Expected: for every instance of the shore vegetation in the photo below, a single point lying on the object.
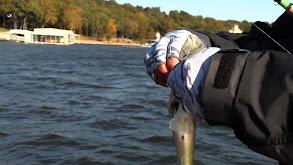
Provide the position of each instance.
(105, 19)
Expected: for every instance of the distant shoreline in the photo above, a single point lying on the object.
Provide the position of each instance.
(83, 40)
(89, 41)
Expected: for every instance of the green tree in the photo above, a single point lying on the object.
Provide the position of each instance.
(245, 26)
(20, 11)
(98, 23)
(35, 13)
(111, 29)
(5, 6)
(175, 15)
(170, 24)
(72, 16)
(128, 27)
(143, 25)
(50, 13)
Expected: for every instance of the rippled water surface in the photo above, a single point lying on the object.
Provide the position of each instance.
(94, 104)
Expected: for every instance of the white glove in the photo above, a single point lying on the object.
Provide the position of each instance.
(187, 81)
(169, 45)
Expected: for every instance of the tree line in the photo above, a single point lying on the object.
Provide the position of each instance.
(105, 18)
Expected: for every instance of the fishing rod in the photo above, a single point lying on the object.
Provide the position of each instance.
(272, 39)
(286, 5)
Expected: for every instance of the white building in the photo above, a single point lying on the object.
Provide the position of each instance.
(235, 29)
(150, 42)
(20, 35)
(44, 36)
(158, 36)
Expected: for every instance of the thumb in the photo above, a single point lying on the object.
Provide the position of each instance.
(171, 62)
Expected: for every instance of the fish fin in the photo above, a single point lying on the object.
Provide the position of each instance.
(172, 105)
(174, 124)
(181, 123)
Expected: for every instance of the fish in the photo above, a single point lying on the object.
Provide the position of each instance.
(183, 126)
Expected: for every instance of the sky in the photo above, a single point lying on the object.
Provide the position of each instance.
(250, 10)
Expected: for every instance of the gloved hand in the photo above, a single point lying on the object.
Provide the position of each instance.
(187, 81)
(169, 51)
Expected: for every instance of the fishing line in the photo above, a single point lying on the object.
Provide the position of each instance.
(271, 38)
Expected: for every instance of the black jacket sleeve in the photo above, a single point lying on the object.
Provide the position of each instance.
(253, 94)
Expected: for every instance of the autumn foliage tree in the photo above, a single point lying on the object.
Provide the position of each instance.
(106, 18)
(112, 29)
(50, 15)
(72, 16)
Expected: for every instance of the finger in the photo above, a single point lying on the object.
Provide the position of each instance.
(171, 62)
(161, 72)
(162, 83)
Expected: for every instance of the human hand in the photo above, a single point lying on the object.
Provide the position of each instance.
(168, 52)
(187, 81)
(162, 71)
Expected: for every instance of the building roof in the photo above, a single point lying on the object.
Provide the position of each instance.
(52, 32)
(44, 31)
(18, 31)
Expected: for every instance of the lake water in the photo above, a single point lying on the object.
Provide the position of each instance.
(92, 105)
